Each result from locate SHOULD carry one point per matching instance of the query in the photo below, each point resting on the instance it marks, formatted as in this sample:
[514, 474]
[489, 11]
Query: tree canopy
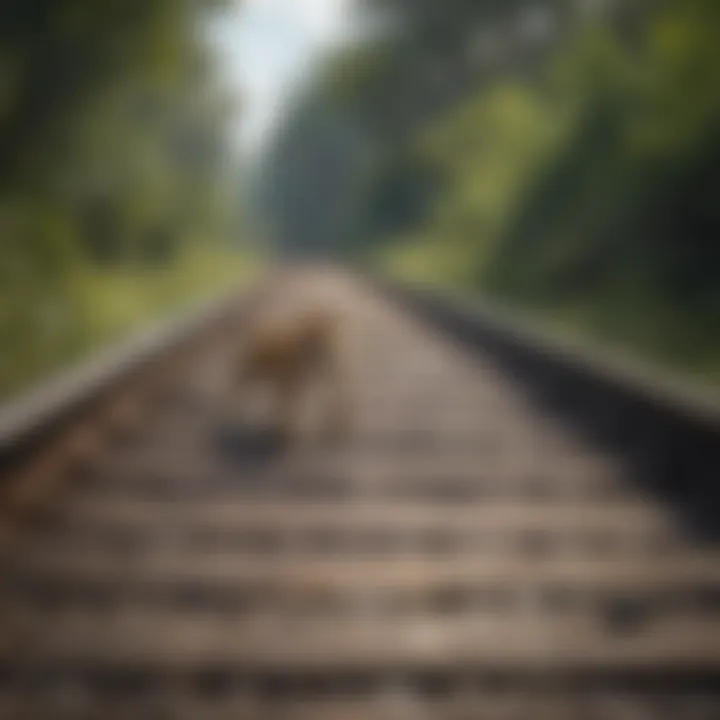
[558, 154]
[113, 153]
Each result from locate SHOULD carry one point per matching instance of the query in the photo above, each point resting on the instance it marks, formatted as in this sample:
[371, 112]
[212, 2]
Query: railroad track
[468, 554]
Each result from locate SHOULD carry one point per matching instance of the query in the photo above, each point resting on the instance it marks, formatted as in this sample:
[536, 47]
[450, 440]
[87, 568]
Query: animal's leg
[242, 384]
[340, 401]
[289, 408]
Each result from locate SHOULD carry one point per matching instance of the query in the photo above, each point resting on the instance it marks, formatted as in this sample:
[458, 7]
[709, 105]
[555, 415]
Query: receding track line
[471, 552]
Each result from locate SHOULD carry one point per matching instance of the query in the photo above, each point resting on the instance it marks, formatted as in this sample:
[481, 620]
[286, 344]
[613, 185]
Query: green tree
[113, 154]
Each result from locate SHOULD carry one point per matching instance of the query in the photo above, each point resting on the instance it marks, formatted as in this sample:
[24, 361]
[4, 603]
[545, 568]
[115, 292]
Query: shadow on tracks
[248, 446]
[667, 450]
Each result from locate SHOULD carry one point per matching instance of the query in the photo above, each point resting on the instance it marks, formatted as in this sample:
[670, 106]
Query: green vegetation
[111, 302]
[117, 190]
[575, 174]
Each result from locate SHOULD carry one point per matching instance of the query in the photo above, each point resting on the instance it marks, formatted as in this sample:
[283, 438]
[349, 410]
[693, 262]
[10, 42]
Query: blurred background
[559, 155]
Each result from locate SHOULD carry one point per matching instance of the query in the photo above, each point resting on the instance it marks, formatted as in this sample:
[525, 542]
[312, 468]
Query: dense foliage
[568, 161]
[112, 169]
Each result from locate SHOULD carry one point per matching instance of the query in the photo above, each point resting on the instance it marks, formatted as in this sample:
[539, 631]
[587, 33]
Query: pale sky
[267, 46]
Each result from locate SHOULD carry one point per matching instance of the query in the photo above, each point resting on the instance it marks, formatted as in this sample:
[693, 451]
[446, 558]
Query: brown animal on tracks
[296, 344]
